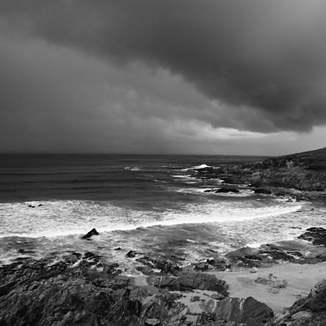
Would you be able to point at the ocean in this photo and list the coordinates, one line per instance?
(147, 203)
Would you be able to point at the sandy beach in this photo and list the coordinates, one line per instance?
(278, 286)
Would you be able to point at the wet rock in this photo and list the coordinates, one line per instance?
(227, 190)
(131, 254)
(262, 191)
(90, 234)
(315, 235)
(24, 251)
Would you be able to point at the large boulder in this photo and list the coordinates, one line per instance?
(192, 281)
(316, 235)
(90, 234)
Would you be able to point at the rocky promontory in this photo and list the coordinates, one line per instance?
(301, 171)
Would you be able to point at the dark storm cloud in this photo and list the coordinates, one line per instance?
(264, 59)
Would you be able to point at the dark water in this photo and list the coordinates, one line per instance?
(97, 177)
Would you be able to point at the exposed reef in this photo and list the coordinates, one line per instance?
(83, 289)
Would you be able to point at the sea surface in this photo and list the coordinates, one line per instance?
(150, 204)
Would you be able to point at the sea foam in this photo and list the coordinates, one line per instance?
(53, 218)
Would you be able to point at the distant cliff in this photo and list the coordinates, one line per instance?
(302, 171)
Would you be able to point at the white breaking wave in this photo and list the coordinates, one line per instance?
(132, 168)
(197, 167)
(55, 218)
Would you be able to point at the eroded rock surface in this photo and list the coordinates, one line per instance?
(80, 289)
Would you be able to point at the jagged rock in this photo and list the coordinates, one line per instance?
(262, 191)
(316, 235)
(131, 254)
(192, 281)
(310, 310)
(317, 297)
(235, 311)
(90, 234)
(227, 190)
(165, 265)
(302, 171)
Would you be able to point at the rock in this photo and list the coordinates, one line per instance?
(317, 297)
(69, 292)
(255, 312)
(310, 310)
(279, 284)
(90, 234)
(227, 190)
(235, 311)
(191, 281)
(152, 322)
(262, 191)
(131, 254)
(302, 315)
(202, 267)
(217, 296)
(316, 235)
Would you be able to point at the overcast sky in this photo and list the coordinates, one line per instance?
(162, 77)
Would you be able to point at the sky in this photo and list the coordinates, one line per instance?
(244, 77)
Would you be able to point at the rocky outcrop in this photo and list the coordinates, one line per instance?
(287, 251)
(192, 281)
(306, 311)
(316, 235)
(83, 289)
(90, 234)
(303, 171)
(80, 289)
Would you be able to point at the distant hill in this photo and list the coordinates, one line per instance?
(313, 160)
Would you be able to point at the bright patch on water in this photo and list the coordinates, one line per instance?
(52, 218)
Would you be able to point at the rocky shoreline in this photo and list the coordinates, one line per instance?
(82, 289)
(280, 284)
(303, 171)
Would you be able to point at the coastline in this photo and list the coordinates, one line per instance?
(265, 283)
(250, 286)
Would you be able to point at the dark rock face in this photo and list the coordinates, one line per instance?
(90, 234)
(262, 191)
(306, 311)
(191, 281)
(235, 311)
(316, 235)
(274, 253)
(131, 254)
(82, 290)
(227, 190)
(302, 171)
